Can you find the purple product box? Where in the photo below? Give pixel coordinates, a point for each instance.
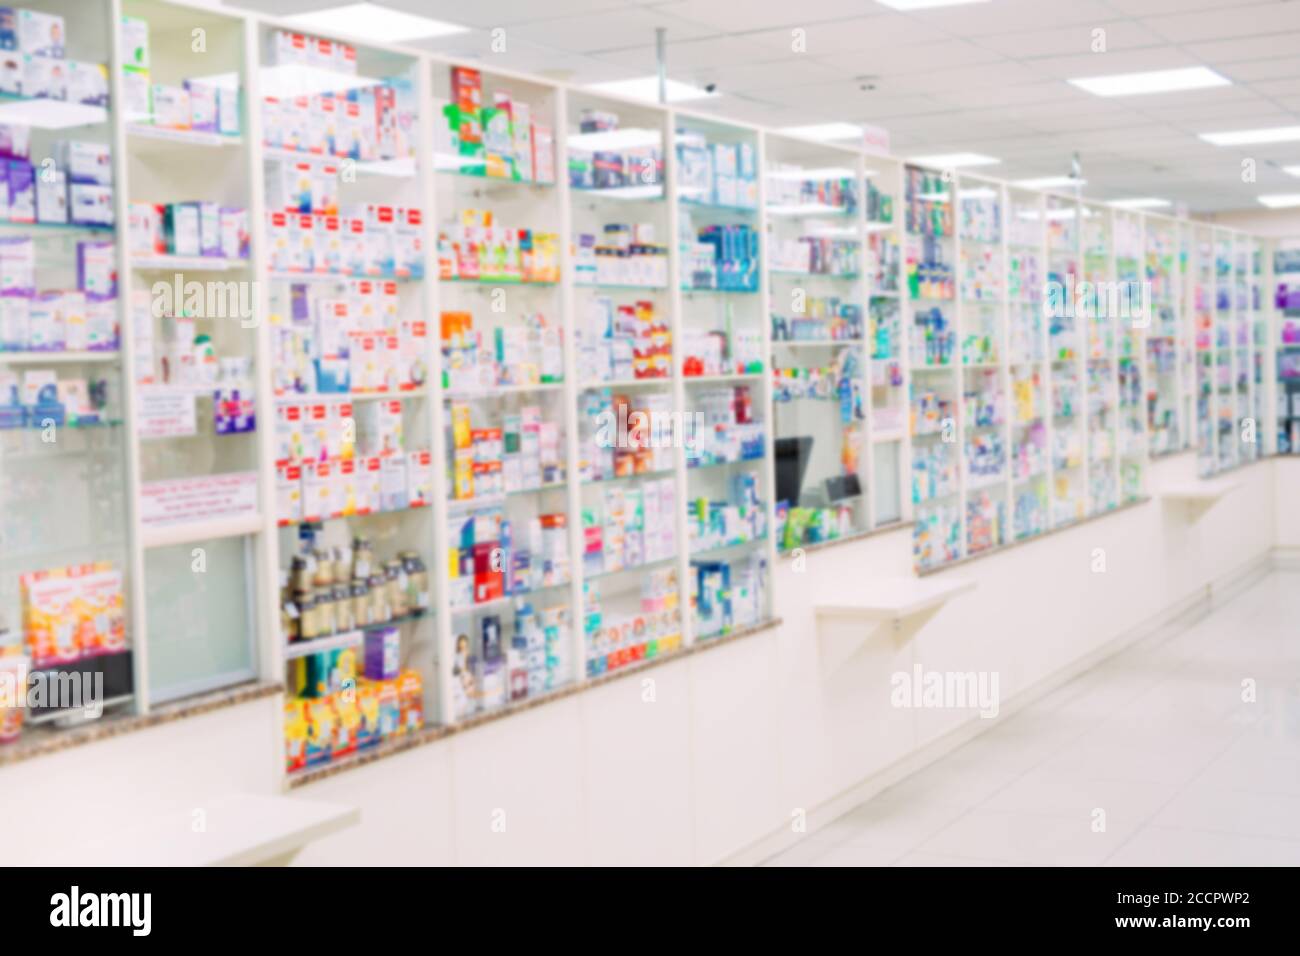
(17, 266)
(209, 229)
(22, 191)
(97, 270)
(383, 655)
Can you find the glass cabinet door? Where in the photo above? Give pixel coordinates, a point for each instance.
(720, 357)
(820, 389)
(66, 556)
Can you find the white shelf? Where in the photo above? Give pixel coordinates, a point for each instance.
(59, 358)
(184, 137)
(211, 529)
(1204, 491)
(319, 645)
(186, 263)
(892, 599)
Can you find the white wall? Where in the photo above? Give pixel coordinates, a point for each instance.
(706, 757)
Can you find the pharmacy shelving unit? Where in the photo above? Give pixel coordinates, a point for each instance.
(1132, 318)
(821, 395)
(67, 472)
(1065, 378)
(966, 384)
(1202, 289)
(1284, 287)
(1029, 412)
(351, 382)
(507, 396)
(1101, 359)
(933, 335)
(717, 194)
(630, 450)
(983, 424)
(1166, 336)
(886, 325)
(193, 419)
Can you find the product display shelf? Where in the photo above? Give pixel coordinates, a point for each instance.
(933, 335)
(358, 430)
(983, 323)
(506, 307)
(1067, 377)
(719, 227)
(1165, 336)
(630, 421)
(1284, 345)
(1133, 317)
(820, 399)
(1029, 412)
(1103, 332)
(887, 327)
(1202, 286)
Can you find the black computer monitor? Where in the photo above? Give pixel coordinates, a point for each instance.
(792, 457)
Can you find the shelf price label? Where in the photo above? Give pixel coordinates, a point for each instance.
(167, 413)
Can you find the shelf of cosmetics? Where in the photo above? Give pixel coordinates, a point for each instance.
(368, 122)
(81, 319)
(802, 526)
(618, 342)
(71, 186)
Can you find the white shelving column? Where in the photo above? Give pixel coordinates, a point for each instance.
(138, 618)
(1004, 359)
(765, 381)
(676, 324)
(897, 190)
(272, 650)
(568, 307)
(427, 166)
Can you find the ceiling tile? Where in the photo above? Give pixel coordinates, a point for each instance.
(1076, 39)
(624, 28)
(1260, 19)
(766, 14)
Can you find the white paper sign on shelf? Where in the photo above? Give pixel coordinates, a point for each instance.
(167, 413)
(875, 139)
(179, 500)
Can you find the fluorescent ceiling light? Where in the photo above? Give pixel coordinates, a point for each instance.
(1145, 202)
(925, 4)
(615, 139)
(1050, 182)
(1280, 200)
(378, 24)
(646, 88)
(51, 114)
(1251, 137)
(954, 160)
(1157, 81)
(812, 175)
(1291, 170)
(824, 131)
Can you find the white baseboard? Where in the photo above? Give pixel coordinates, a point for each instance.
(1174, 618)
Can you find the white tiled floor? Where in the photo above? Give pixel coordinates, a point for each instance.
(1156, 743)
